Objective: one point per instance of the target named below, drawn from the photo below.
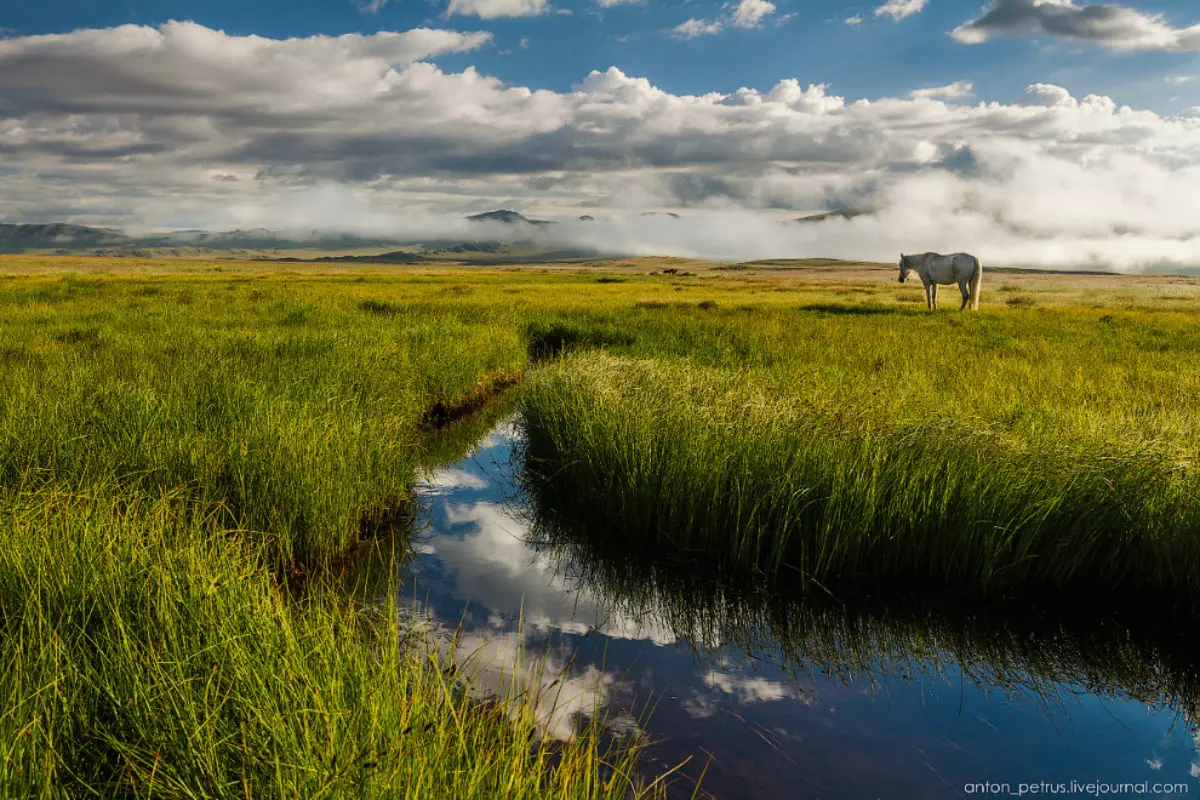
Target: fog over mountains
(505, 225)
(509, 236)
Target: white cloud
(900, 9)
(953, 91)
(748, 690)
(370, 6)
(855, 20)
(447, 480)
(495, 9)
(1179, 80)
(494, 567)
(183, 126)
(1115, 26)
(613, 3)
(516, 668)
(749, 13)
(1047, 94)
(692, 28)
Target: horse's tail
(976, 279)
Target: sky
(1041, 131)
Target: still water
(774, 700)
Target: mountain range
(63, 239)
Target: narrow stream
(780, 701)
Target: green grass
(174, 452)
(987, 451)
(148, 654)
(182, 445)
(294, 414)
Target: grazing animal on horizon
(934, 268)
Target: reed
(733, 463)
(148, 654)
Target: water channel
(775, 698)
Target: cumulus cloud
(1115, 26)
(854, 20)
(692, 28)
(747, 14)
(1179, 80)
(953, 91)
(1047, 94)
(750, 13)
(515, 666)
(900, 9)
(370, 6)
(182, 126)
(495, 9)
(750, 689)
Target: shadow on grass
(852, 310)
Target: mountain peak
(506, 216)
(841, 213)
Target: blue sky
(878, 57)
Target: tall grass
(176, 440)
(724, 461)
(295, 417)
(147, 654)
(170, 451)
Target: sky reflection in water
(774, 727)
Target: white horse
(961, 268)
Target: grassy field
(1050, 440)
(176, 452)
(183, 444)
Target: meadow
(192, 453)
(1046, 444)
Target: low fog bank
(1136, 222)
(882, 236)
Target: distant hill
(841, 213)
(507, 217)
(397, 257)
(264, 239)
(61, 237)
(57, 236)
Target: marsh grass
(1030, 451)
(148, 654)
(299, 425)
(176, 444)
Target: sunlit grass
(986, 451)
(180, 441)
(148, 654)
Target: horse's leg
(933, 291)
(928, 297)
(962, 287)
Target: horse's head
(904, 267)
